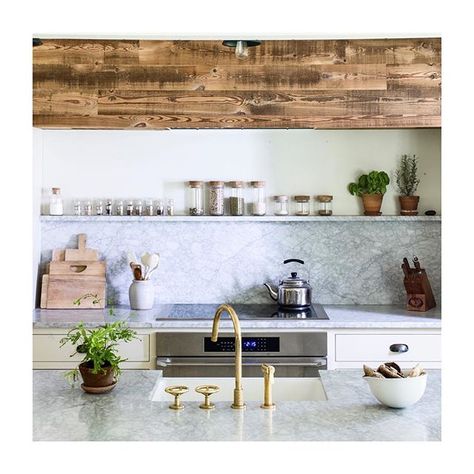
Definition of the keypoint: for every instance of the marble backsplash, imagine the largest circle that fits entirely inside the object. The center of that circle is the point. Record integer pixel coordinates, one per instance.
(349, 262)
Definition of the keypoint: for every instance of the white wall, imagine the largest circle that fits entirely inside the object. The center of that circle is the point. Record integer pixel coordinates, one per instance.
(141, 164)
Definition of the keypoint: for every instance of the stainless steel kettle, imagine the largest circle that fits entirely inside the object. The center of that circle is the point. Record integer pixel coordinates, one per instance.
(292, 292)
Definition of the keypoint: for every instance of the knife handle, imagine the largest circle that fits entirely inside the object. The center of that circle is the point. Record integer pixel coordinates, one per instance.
(417, 263)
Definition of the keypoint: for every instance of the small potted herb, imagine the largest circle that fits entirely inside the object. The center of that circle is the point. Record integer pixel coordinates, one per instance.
(407, 179)
(371, 188)
(100, 367)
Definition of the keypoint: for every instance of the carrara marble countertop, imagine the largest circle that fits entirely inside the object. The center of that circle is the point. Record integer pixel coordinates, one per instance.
(64, 413)
(340, 316)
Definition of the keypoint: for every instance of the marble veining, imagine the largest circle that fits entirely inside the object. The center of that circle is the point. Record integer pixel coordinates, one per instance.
(340, 316)
(347, 262)
(62, 413)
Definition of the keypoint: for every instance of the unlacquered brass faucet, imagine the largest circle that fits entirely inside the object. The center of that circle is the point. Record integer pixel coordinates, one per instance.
(238, 391)
(268, 379)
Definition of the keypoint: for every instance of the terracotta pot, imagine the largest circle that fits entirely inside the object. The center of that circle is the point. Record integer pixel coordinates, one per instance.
(372, 204)
(102, 379)
(409, 205)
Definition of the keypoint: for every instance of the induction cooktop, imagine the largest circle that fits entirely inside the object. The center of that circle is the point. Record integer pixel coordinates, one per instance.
(244, 311)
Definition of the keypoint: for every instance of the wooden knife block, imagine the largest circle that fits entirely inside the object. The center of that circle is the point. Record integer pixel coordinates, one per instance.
(419, 293)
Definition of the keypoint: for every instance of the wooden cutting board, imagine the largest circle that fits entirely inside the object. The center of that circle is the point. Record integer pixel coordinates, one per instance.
(62, 291)
(81, 253)
(83, 268)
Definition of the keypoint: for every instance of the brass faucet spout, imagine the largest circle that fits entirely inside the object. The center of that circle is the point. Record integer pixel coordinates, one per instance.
(238, 392)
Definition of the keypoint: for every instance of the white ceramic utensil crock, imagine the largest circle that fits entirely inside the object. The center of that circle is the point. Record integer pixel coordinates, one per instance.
(141, 294)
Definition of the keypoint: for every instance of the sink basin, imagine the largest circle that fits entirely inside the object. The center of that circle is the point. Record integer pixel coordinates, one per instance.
(284, 389)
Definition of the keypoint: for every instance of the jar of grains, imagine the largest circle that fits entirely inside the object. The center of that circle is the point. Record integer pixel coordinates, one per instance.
(216, 198)
(236, 200)
(325, 204)
(196, 206)
(302, 205)
(258, 203)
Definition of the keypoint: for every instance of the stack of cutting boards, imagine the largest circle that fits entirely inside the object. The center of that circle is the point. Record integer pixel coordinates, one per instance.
(72, 274)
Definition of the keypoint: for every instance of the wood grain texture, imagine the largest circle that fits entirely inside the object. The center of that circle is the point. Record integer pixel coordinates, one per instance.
(110, 84)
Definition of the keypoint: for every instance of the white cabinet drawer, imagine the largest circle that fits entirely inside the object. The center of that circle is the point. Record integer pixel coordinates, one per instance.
(376, 347)
(46, 349)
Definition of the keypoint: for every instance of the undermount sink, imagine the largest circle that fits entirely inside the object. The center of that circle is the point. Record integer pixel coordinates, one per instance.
(284, 389)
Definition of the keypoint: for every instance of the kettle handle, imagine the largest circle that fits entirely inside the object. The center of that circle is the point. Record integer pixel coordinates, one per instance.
(297, 260)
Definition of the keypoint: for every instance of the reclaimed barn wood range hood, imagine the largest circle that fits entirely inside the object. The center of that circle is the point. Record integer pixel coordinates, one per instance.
(159, 84)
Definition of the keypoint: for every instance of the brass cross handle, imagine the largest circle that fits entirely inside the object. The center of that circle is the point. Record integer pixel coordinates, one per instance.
(177, 391)
(207, 391)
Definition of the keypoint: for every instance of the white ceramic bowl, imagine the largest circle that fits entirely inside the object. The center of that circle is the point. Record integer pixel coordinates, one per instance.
(397, 393)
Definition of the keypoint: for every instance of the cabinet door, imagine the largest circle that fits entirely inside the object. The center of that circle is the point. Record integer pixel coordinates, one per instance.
(46, 349)
(385, 347)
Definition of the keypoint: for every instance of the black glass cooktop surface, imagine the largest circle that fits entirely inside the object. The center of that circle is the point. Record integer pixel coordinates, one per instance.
(244, 311)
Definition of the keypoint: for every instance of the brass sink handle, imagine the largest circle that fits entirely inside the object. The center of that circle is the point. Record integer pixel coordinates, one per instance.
(207, 391)
(176, 391)
(268, 380)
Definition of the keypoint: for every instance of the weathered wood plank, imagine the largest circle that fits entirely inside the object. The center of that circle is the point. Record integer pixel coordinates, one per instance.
(236, 121)
(265, 103)
(213, 53)
(239, 77)
(64, 103)
(69, 51)
(394, 51)
(421, 76)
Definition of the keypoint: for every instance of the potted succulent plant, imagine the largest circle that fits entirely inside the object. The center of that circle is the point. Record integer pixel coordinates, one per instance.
(100, 367)
(371, 188)
(407, 179)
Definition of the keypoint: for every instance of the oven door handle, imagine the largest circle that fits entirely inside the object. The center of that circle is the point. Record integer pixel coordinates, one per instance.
(318, 362)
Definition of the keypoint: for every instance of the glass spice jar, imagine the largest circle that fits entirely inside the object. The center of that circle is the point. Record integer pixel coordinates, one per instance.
(108, 207)
(170, 207)
(56, 202)
(216, 198)
(196, 206)
(281, 205)
(159, 208)
(302, 205)
(138, 208)
(129, 208)
(88, 208)
(149, 207)
(99, 208)
(236, 200)
(325, 204)
(119, 208)
(259, 198)
(77, 207)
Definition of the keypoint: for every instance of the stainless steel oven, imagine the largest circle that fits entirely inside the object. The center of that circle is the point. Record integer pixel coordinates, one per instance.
(294, 354)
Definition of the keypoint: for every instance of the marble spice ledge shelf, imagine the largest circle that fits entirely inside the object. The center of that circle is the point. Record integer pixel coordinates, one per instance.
(124, 219)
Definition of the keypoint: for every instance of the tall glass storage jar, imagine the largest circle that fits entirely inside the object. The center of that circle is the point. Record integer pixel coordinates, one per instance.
(216, 198)
(281, 205)
(196, 206)
(259, 198)
(236, 200)
(325, 204)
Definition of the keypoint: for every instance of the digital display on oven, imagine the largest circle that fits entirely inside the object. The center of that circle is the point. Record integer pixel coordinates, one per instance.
(249, 344)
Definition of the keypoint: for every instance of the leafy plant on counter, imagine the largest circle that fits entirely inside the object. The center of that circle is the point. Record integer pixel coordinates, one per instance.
(99, 346)
(375, 182)
(406, 175)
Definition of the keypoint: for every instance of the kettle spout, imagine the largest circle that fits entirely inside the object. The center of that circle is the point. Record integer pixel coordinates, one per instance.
(273, 293)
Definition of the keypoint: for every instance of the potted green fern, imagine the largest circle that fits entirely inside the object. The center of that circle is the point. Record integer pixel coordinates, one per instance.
(371, 188)
(100, 366)
(407, 180)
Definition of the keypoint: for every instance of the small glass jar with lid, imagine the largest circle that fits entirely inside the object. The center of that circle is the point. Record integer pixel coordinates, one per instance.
(236, 200)
(159, 207)
(149, 208)
(138, 209)
(119, 210)
(129, 208)
(108, 206)
(281, 205)
(259, 198)
(99, 208)
(302, 205)
(216, 198)
(87, 208)
(77, 207)
(325, 204)
(196, 206)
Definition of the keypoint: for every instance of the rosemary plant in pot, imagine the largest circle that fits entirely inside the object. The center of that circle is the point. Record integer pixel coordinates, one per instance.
(407, 180)
(100, 366)
(371, 187)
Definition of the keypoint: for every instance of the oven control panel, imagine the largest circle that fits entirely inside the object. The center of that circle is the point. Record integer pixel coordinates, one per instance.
(249, 344)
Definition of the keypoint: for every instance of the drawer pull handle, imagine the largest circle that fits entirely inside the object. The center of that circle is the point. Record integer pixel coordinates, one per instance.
(400, 348)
